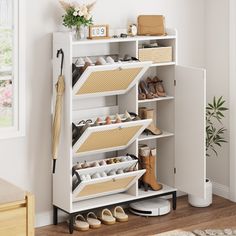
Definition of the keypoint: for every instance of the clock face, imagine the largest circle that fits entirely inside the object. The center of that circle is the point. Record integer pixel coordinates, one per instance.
(99, 31)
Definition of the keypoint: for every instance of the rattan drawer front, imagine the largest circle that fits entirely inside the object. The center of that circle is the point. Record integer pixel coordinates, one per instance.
(109, 79)
(109, 137)
(111, 185)
(106, 185)
(105, 81)
(157, 55)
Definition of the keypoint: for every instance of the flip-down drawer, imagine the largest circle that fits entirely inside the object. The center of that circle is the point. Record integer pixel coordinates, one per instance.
(105, 138)
(106, 185)
(111, 79)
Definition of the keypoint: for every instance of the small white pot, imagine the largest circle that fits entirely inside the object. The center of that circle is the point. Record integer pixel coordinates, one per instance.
(202, 202)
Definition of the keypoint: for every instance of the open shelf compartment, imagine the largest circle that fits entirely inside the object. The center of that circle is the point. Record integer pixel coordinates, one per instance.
(107, 138)
(110, 79)
(106, 185)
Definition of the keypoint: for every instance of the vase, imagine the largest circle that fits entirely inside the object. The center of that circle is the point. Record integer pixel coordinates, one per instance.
(80, 32)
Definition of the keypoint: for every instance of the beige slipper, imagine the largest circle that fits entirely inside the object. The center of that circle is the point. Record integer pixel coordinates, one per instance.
(80, 223)
(119, 214)
(93, 221)
(106, 217)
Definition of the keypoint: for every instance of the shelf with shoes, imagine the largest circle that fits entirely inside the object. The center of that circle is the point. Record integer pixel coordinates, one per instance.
(92, 138)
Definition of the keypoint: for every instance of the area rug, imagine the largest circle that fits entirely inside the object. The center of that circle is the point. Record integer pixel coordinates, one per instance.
(207, 232)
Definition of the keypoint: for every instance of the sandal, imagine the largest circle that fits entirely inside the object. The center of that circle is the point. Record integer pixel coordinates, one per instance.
(119, 214)
(159, 87)
(93, 221)
(145, 90)
(106, 217)
(80, 223)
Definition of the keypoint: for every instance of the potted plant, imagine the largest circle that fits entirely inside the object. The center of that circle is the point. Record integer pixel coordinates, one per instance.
(214, 139)
(77, 17)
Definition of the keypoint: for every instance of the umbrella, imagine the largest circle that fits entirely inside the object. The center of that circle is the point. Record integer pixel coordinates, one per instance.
(56, 128)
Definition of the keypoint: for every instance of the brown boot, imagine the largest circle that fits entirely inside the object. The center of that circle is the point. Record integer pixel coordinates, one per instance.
(148, 163)
(141, 112)
(149, 114)
(153, 179)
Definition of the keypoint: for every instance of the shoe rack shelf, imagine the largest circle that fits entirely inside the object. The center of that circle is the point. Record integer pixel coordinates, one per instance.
(111, 89)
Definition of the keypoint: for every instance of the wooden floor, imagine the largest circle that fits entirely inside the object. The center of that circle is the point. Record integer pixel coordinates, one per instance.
(222, 214)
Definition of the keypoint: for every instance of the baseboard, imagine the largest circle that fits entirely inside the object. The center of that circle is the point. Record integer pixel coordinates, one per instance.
(220, 190)
(46, 218)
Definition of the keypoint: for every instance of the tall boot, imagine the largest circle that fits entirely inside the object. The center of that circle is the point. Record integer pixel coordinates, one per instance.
(153, 129)
(153, 179)
(148, 163)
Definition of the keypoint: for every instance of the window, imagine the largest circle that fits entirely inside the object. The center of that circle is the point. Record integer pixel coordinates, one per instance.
(11, 68)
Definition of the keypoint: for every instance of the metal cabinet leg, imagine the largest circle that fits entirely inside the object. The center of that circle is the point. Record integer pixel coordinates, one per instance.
(71, 223)
(55, 215)
(174, 200)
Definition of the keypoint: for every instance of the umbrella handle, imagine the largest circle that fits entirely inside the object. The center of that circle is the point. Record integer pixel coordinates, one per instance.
(60, 51)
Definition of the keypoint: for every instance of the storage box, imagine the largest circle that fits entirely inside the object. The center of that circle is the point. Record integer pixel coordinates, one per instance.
(157, 55)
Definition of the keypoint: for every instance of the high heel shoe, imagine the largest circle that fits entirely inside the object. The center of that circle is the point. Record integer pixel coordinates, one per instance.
(118, 119)
(145, 90)
(151, 86)
(160, 91)
(108, 120)
(141, 95)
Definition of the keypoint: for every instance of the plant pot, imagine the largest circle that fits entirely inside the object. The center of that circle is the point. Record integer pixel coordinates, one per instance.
(202, 202)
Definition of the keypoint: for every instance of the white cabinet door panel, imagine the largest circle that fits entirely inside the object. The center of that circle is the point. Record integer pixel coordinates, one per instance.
(190, 163)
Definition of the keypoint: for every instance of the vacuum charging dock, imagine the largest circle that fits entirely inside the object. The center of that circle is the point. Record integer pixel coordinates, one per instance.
(150, 207)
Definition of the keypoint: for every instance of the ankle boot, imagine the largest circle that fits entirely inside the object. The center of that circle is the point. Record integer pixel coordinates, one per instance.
(149, 114)
(141, 112)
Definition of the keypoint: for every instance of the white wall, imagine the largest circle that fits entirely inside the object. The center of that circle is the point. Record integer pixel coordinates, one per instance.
(26, 161)
(217, 65)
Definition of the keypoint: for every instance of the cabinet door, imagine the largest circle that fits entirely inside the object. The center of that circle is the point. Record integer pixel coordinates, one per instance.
(190, 158)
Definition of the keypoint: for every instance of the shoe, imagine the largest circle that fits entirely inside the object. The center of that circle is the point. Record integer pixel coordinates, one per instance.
(80, 61)
(85, 165)
(93, 221)
(145, 90)
(152, 86)
(80, 223)
(112, 172)
(94, 164)
(100, 61)
(110, 60)
(108, 120)
(88, 60)
(141, 95)
(106, 217)
(160, 91)
(103, 174)
(119, 171)
(119, 214)
(118, 119)
(127, 117)
(123, 159)
(95, 176)
(148, 162)
(97, 122)
(146, 113)
(77, 131)
(76, 73)
(102, 163)
(86, 65)
(76, 167)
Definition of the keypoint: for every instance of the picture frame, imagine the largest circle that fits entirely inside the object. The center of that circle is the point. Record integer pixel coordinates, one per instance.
(98, 32)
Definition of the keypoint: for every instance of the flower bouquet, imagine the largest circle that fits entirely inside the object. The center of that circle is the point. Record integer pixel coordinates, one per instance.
(77, 17)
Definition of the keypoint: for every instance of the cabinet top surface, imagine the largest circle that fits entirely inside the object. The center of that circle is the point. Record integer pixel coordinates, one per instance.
(114, 40)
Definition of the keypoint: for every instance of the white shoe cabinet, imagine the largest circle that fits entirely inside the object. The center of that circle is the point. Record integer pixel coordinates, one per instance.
(113, 88)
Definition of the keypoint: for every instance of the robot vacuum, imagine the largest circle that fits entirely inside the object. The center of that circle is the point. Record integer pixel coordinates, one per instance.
(150, 207)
